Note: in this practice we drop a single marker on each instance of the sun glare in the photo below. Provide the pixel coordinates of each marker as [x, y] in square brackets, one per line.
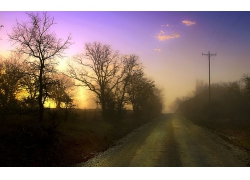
[50, 104]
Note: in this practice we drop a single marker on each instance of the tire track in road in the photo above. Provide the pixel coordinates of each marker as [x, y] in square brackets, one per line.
[159, 149]
[173, 149]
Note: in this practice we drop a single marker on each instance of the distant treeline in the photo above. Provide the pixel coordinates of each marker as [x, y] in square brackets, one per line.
[229, 100]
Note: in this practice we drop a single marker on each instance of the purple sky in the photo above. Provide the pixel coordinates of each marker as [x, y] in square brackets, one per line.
[169, 43]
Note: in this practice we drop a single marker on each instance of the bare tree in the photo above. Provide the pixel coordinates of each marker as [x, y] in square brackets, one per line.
[246, 80]
[11, 73]
[62, 92]
[131, 66]
[139, 90]
[30, 83]
[34, 39]
[200, 86]
[101, 75]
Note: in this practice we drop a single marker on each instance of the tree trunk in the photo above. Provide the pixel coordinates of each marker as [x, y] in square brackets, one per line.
[40, 97]
[41, 108]
[58, 105]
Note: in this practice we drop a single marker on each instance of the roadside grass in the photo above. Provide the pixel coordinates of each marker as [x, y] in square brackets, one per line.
[236, 132]
[60, 141]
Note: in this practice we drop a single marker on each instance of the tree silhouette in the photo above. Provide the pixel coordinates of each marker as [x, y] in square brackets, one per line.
[116, 80]
[246, 79]
[131, 67]
[11, 73]
[61, 92]
[30, 83]
[101, 75]
[34, 39]
[140, 89]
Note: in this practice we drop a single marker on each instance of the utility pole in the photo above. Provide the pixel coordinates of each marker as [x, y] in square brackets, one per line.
[209, 55]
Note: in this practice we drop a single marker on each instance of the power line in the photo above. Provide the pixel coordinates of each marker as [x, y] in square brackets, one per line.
[226, 34]
[218, 22]
[220, 30]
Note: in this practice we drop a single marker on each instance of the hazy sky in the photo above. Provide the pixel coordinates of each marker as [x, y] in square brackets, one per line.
[169, 43]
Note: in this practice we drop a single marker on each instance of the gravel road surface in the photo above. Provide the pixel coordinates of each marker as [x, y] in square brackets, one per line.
[168, 141]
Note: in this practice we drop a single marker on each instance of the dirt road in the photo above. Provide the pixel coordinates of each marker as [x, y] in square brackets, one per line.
[171, 140]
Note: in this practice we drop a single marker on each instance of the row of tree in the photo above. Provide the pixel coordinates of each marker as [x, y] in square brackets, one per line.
[19, 87]
[229, 100]
[117, 81]
[29, 77]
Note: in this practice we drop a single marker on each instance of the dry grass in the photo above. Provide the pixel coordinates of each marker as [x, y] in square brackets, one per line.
[234, 131]
[59, 141]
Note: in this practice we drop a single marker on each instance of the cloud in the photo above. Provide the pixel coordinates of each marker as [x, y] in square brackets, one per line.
[188, 23]
[162, 32]
[158, 50]
[167, 25]
[161, 36]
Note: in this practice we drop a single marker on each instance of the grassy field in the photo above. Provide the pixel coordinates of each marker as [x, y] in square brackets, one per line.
[60, 141]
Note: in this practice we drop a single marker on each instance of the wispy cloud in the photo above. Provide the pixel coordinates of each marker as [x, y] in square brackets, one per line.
[158, 50]
[161, 36]
[188, 23]
[165, 25]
